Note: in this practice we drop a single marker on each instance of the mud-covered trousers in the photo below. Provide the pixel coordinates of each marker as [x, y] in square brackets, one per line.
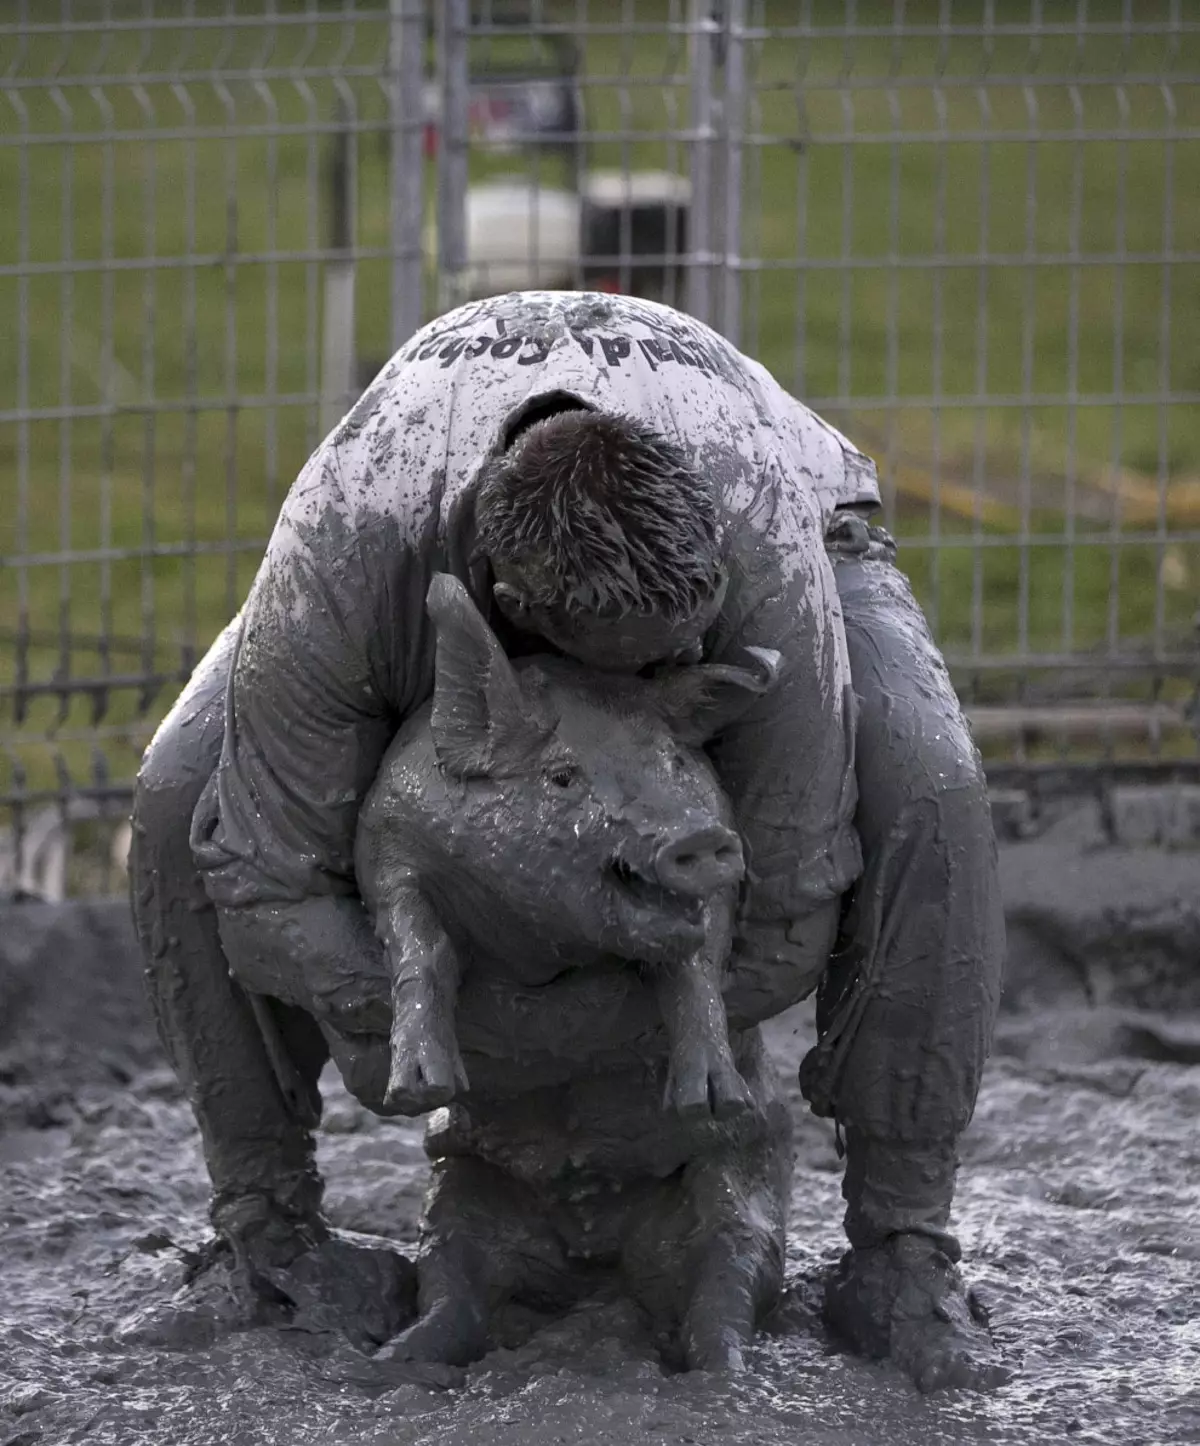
[905, 1011]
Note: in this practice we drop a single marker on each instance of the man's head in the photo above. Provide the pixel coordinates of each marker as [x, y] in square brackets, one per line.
[602, 539]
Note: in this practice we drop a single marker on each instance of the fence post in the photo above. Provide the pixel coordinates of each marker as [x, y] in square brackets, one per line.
[453, 39]
[406, 92]
[731, 171]
[702, 29]
[337, 311]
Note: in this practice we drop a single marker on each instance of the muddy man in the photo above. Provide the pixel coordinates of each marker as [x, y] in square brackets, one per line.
[612, 481]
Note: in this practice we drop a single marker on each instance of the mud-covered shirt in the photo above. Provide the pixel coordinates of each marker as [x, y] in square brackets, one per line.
[335, 647]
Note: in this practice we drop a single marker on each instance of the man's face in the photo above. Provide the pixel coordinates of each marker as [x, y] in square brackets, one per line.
[613, 644]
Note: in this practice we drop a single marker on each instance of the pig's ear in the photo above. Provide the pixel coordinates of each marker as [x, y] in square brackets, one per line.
[478, 710]
[700, 702]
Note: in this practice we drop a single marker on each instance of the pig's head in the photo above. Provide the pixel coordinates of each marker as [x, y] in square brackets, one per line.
[581, 800]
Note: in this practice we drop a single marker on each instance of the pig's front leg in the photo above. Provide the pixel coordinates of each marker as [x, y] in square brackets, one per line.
[427, 1069]
[702, 1078]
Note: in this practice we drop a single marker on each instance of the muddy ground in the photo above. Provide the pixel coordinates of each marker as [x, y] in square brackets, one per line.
[1079, 1210]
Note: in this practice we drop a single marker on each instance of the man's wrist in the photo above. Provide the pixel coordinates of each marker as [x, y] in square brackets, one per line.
[351, 1009]
[776, 963]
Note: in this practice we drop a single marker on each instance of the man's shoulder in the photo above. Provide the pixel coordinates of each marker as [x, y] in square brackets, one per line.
[816, 455]
[402, 456]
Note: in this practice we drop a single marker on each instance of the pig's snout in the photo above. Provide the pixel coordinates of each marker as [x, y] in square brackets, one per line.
[695, 861]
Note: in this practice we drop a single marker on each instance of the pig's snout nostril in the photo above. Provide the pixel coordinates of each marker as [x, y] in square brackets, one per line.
[699, 862]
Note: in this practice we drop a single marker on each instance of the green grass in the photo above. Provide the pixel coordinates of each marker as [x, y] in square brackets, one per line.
[200, 335]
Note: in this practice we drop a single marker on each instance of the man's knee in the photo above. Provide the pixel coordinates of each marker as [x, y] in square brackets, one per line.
[178, 763]
[163, 883]
[918, 769]
[167, 789]
[927, 913]
[930, 803]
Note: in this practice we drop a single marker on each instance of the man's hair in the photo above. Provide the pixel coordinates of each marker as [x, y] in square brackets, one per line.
[603, 515]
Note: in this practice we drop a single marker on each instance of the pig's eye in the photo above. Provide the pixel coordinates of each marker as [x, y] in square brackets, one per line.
[563, 775]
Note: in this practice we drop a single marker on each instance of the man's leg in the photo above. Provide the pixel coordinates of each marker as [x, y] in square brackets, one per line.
[260, 1154]
[906, 1011]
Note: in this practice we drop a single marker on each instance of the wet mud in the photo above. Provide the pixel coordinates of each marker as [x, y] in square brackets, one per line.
[1078, 1208]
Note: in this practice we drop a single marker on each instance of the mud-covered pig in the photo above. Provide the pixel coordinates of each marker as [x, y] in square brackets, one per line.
[544, 807]
[533, 818]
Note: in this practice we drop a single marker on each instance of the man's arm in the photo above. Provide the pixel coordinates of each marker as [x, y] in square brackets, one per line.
[306, 728]
[788, 763]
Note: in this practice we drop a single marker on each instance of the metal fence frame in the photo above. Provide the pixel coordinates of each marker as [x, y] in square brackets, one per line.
[171, 86]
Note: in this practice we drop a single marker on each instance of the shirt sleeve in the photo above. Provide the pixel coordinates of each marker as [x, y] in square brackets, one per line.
[788, 763]
[306, 720]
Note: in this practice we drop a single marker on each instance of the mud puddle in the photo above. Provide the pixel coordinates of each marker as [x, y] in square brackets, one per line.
[1078, 1207]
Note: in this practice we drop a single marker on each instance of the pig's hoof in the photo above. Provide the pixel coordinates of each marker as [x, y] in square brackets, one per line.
[719, 1094]
[416, 1099]
[424, 1079]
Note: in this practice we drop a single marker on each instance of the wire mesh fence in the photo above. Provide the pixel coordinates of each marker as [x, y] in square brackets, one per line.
[965, 231]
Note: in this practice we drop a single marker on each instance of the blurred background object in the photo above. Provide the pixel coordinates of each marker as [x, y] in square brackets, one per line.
[964, 231]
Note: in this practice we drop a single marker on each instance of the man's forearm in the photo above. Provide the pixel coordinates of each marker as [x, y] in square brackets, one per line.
[319, 953]
[775, 966]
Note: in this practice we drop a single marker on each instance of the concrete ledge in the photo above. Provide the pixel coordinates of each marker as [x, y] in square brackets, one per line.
[1099, 922]
[1163, 817]
[1013, 815]
[1135, 815]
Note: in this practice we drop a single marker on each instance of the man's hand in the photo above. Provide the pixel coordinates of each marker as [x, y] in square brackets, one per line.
[775, 965]
[361, 1006]
[582, 1014]
[320, 954]
[549, 1033]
